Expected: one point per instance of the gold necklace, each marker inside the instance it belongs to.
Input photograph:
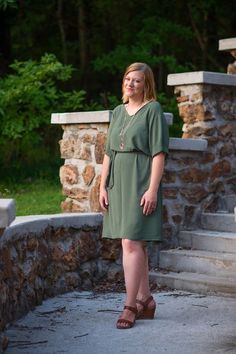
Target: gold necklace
(124, 129)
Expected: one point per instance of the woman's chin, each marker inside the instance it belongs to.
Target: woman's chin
(129, 92)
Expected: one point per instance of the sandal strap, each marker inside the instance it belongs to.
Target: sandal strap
(146, 302)
(124, 321)
(132, 309)
(140, 302)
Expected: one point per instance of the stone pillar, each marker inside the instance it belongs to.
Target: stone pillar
(7, 213)
(82, 147)
(229, 45)
(207, 105)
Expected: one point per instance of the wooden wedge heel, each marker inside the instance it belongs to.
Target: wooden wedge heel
(148, 310)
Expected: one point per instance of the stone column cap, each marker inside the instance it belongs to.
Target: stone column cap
(188, 144)
(201, 77)
(169, 117)
(227, 44)
(7, 212)
(81, 117)
(91, 117)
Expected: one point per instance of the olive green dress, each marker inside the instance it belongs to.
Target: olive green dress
(145, 135)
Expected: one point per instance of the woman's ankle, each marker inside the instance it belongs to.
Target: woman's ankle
(144, 297)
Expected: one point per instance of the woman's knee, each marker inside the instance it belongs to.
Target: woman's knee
(131, 246)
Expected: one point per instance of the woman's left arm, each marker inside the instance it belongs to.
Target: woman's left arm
(149, 199)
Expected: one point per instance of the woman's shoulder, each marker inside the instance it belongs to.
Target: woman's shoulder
(154, 106)
(117, 109)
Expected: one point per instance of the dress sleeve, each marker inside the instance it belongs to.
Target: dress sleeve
(158, 131)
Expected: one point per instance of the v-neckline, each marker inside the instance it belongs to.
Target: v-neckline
(131, 115)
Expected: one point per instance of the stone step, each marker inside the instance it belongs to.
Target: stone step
(199, 283)
(218, 222)
(230, 202)
(201, 262)
(215, 241)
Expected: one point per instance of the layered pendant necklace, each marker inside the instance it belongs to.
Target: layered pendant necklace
(124, 129)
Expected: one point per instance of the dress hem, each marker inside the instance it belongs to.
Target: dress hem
(133, 238)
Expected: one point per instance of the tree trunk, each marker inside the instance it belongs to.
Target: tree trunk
(159, 80)
(203, 39)
(5, 43)
(82, 35)
(62, 30)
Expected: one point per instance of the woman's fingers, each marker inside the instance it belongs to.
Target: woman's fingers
(148, 206)
(103, 200)
(104, 205)
(142, 201)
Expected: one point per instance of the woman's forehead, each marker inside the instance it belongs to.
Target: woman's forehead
(136, 73)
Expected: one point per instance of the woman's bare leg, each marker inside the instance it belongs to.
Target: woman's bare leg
(134, 263)
(144, 286)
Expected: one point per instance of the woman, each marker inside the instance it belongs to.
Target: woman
(130, 190)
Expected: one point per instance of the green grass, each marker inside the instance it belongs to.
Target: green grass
(34, 197)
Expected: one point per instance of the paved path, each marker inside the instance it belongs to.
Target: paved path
(84, 323)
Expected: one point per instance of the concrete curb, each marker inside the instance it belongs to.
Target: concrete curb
(38, 223)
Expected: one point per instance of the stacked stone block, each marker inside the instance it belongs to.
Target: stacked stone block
(82, 147)
(209, 112)
(42, 258)
(197, 181)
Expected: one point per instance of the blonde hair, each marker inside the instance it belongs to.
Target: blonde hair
(149, 82)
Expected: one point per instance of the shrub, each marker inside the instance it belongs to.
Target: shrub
(28, 96)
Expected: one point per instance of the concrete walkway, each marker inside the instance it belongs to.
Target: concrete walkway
(84, 323)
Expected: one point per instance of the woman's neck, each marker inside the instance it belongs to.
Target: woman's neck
(135, 102)
(134, 105)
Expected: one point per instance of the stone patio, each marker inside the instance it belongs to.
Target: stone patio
(84, 323)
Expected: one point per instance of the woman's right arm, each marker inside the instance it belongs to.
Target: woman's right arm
(103, 196)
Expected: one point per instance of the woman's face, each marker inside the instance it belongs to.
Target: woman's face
(133, 84)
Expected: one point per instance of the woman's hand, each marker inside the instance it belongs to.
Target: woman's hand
(103, 199)
(103, 195)
(149, 202)
(149, 199)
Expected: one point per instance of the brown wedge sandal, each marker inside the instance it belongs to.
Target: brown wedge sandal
(147, 313)
(122, 323)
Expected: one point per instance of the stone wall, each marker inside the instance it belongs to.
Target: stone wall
(209, 112)
(200, 168)
(42, 257)
(81, 179)
(197, 181)
(82, 147)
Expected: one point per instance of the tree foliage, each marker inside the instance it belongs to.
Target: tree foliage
(4, 4)
(91, 44)
(101, 37)
(28, 96)
(31, 94)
